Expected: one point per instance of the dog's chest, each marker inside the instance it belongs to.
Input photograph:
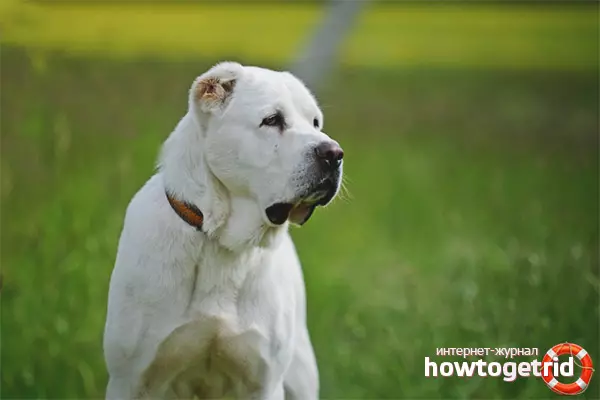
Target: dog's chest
(236, 287)
(244, 325)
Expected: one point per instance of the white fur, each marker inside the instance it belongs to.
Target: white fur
(220, 311)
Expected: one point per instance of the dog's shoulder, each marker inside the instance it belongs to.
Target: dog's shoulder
(155, 239)
(149, 218)
(148, 207)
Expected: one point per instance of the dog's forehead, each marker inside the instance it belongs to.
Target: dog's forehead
(282, 87)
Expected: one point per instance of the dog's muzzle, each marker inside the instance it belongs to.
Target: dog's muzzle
(328, 160)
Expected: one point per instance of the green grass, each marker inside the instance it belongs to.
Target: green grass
(473, 220)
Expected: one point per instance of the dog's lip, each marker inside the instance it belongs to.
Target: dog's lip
(278, 213)
(299, 213)
(300, 209)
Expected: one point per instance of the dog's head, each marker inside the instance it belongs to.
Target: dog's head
(264, 140)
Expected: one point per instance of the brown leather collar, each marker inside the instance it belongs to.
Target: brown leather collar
(187, 212)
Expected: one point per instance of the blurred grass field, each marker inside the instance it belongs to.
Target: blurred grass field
(471, 140)
(557, 37)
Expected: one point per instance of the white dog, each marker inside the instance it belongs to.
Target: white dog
(207, 297)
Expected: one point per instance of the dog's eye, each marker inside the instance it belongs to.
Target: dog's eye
(316, 123)
(274, 120)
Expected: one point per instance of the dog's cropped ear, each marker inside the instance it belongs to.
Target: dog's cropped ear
(212, 90)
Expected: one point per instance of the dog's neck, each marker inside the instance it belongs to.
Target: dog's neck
(236, 223)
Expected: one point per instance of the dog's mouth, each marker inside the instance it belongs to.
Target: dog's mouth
(300, 210)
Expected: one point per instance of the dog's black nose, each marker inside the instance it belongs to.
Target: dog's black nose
(330, 153)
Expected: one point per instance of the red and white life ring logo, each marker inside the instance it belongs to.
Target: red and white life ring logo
(547, 371)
